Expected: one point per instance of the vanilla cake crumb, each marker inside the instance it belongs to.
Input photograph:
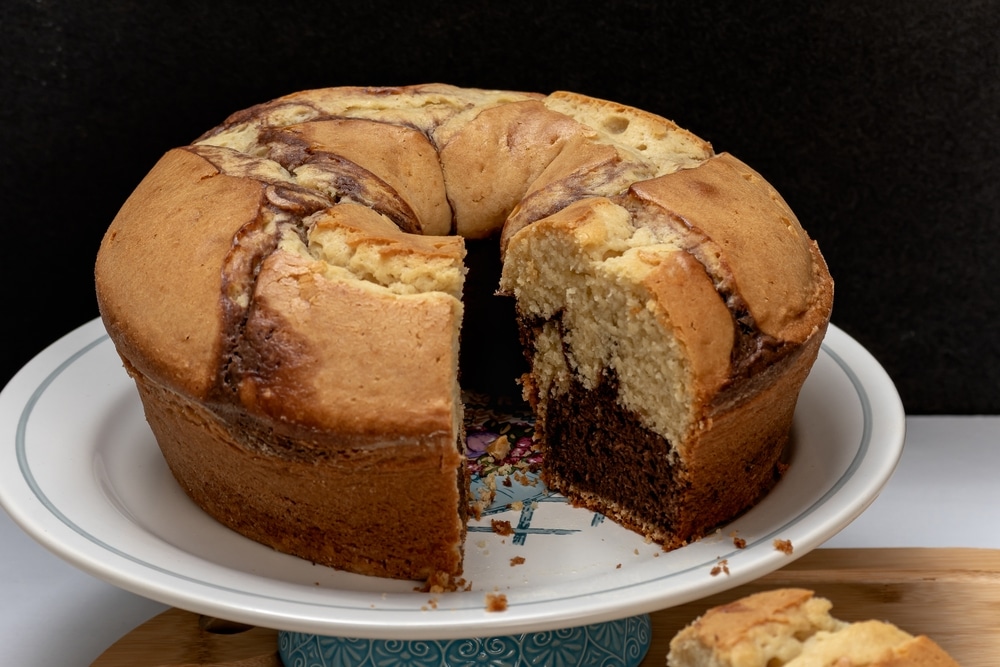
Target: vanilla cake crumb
(784, 546)
(496, 602)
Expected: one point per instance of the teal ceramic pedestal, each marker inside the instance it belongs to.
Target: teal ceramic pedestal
(621, 643)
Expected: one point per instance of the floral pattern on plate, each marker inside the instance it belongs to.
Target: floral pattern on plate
(504, 467)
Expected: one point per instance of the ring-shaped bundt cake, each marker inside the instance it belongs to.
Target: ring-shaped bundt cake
(287, 293)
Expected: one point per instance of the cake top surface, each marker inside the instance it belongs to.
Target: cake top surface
(353, 190)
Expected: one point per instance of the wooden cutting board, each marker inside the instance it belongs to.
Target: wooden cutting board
(951, 595)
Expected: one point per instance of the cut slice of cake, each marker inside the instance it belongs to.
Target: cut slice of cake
(790, 627)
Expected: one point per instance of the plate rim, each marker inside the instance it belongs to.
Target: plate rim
(883, 419)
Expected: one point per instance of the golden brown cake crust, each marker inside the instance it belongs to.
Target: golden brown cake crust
(174, 231)
(316, 503)
(761, 242)
(697, 316)
(298, 377)
(494, 159)
(401, 156)
(920, 652)
(727, 625)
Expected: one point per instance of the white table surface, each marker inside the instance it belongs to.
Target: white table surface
(943, 494)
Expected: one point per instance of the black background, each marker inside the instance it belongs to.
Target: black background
(878, 122)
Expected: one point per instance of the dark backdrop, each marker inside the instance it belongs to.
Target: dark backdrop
(878, 121)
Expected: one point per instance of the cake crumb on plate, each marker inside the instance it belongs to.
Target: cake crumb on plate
(496, 602)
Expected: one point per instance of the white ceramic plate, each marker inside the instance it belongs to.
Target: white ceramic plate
(81, 473)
